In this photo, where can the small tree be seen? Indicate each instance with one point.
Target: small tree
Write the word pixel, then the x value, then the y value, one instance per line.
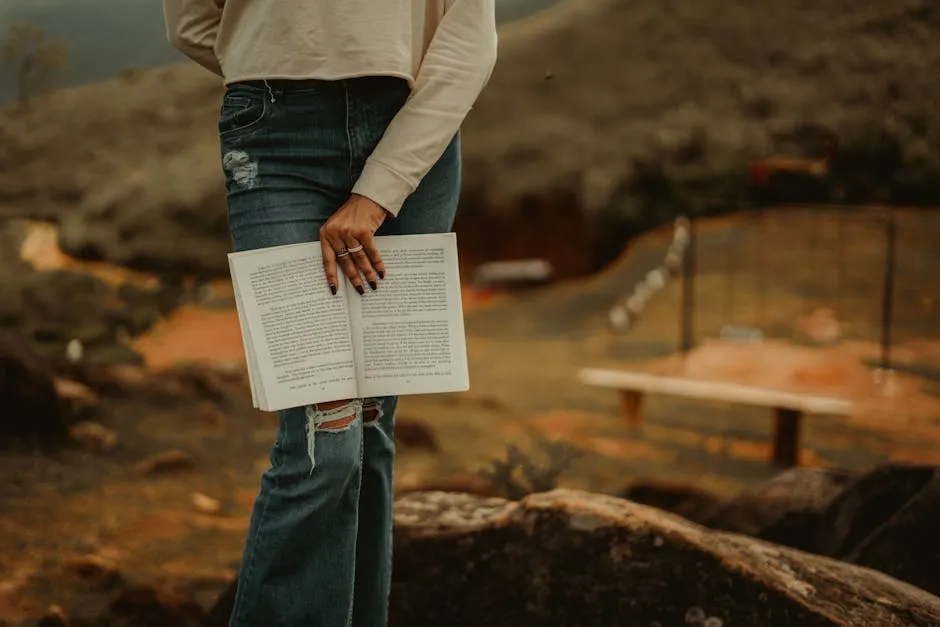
pixel 35 59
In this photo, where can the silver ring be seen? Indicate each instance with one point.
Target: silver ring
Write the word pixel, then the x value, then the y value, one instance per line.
pixel 342 253
pixel 354 250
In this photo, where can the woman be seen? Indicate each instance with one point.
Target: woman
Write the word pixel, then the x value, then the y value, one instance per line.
pixel 340 122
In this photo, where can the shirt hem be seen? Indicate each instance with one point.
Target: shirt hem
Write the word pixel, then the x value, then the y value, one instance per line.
pixel 321 76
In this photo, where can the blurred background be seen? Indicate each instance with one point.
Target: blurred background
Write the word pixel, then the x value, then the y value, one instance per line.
pixel 720 190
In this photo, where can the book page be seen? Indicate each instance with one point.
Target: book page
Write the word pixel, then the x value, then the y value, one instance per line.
pixel 410 332
pixel 298 331
pixel 250 360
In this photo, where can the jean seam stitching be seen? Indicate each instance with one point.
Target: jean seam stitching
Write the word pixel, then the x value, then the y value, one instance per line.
pixel 362 446
pixel 255 541
pixel 349 142
pixel 247 130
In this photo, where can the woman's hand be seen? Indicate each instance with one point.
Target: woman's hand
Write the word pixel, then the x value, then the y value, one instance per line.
pixel 347 239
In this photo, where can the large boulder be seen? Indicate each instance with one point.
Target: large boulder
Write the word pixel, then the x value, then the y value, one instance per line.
pixel 31 414
pixel 52 308
pixel 688 501
pixel 888 520
pixel 867 503
pixel 884 518
pixel 785 510
pixel 568 557
pixel 142 606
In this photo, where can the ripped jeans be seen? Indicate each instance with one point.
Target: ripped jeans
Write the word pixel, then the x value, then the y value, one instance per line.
pixel 319 546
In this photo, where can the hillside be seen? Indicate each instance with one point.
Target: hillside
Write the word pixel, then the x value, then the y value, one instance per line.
pixel 580 93
pixel 103 37
pixel 634 79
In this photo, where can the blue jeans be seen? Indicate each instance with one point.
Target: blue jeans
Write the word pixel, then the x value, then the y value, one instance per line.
pixel 319 545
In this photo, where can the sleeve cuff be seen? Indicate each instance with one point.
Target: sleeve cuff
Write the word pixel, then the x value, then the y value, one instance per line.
pixel 383 186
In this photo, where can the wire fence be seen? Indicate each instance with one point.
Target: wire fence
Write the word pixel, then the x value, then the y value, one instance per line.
pixel 808 274
pixel 815 274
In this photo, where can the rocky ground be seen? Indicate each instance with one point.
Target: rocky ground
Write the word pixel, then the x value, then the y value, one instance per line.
pixel 148 506
pixel 55 307
pixel 136 540
pixel 562 556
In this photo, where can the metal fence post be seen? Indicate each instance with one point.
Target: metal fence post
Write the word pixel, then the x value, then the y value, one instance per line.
pixel 840 261
pixel 887 300
pixel 761 268
pixel 688 292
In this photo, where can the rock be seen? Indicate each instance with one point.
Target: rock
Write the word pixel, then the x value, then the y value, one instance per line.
pixel 95 571
pixel 74 351
pixel 415 434
pixel 191 383
pixel 683 500
pixel 201 382
pixel 220 613
pixel 153 607
pixel 206 504
pixel 867 503
pixel 80 403
pixel 785 510
pixel 209 415
pixel 463 484
pixel 93 436
pixel 119 380
pixel 32 412
pixel 71 317
pixel 904 545
pixel 568 557
pixel 173 460
pixel 79 400
pixel 137 224
pixel 54 617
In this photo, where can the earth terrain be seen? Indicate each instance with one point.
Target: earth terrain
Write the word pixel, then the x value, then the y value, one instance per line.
pixel 129 189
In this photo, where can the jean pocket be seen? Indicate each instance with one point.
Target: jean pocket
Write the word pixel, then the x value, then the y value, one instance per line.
pixel 241 113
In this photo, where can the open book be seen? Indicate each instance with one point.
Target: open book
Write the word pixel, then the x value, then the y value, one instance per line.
pixel 304 345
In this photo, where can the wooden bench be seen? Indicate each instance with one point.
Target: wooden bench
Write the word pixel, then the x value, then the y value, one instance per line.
pixel 788 407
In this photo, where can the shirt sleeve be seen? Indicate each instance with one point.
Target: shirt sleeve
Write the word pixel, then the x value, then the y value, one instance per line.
pixel 455 69
pixel 192 27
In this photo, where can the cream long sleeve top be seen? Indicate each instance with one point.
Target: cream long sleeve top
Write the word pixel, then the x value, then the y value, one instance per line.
pixel 445 49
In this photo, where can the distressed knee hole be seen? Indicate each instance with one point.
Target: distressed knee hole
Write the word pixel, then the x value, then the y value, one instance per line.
pixel 371 412
pixel 337 425
pixel 336 418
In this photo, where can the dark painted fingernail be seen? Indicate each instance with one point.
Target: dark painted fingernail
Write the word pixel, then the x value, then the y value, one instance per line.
pixel 381 274
pixel 373 285
pixel 360 290
pixel 333 289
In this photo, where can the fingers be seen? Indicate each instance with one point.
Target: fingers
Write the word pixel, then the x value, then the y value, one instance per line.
pixel 351 250
pixel 374 257
pixel 329 264
pixel 363 251
pixel 346 264
pixel 334 254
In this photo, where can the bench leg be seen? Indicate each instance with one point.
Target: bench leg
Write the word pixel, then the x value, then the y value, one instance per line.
pixel 786 452
pixel 630 404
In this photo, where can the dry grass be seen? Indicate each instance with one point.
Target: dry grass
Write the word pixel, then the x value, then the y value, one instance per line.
pixel 634 78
